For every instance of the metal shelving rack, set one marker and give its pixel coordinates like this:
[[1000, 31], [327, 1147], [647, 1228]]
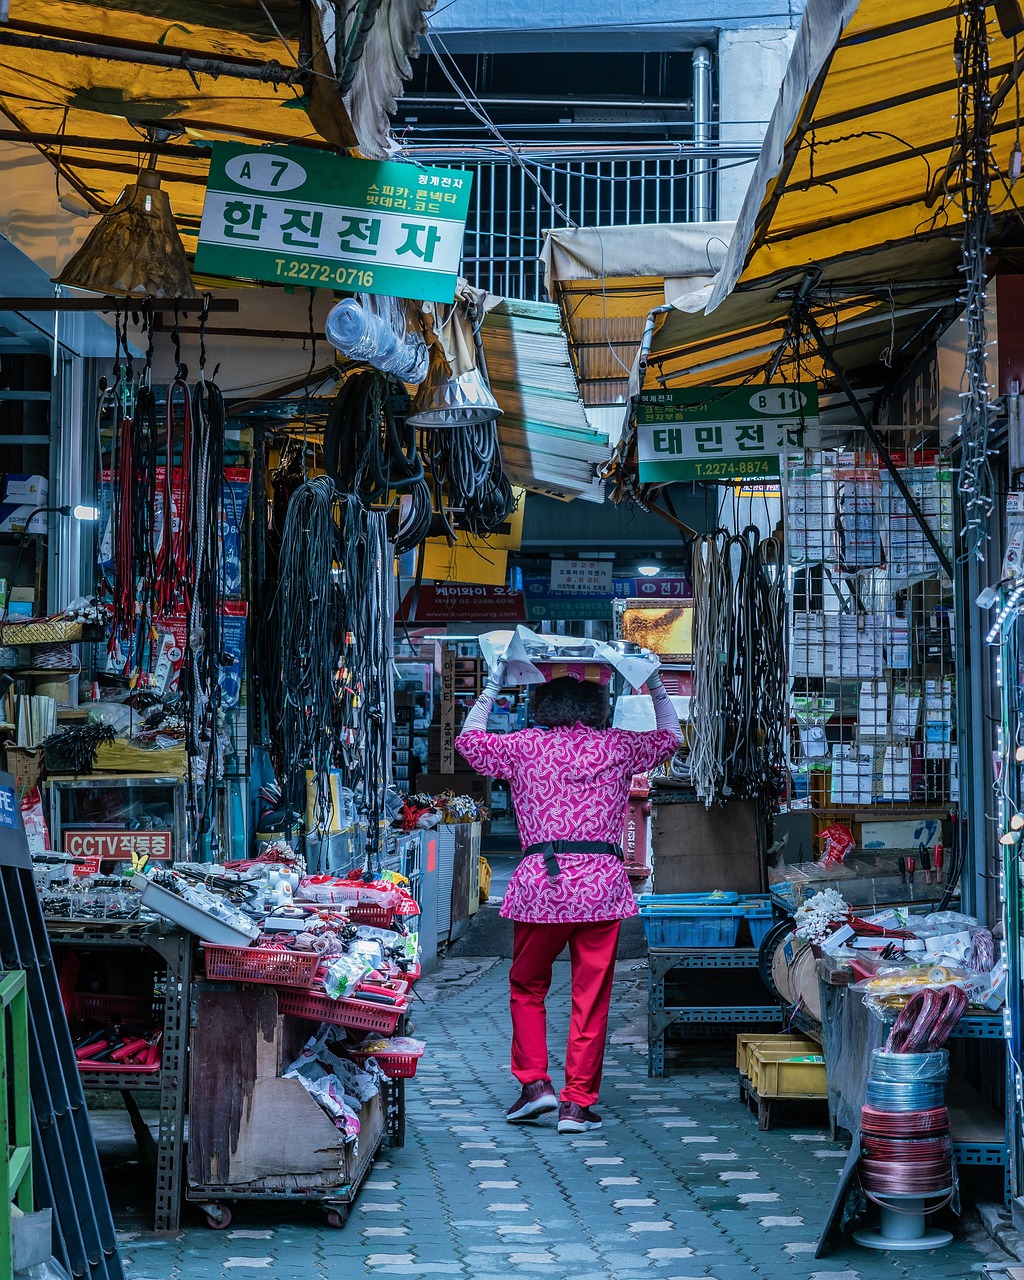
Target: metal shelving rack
[[176, 948], [664, 961], [980, 1135]]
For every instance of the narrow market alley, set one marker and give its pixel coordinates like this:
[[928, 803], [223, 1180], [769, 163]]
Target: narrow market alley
[[679, 1183]]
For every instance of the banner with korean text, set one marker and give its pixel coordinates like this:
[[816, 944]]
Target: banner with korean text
[[722, 433], [294, 216]]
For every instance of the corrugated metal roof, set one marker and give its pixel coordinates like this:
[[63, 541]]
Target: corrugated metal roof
[[548, 443]]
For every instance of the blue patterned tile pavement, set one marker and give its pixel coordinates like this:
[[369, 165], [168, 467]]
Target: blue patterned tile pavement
[[679, 1184]]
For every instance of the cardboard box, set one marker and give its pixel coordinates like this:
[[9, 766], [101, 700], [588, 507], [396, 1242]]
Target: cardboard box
[[19, 496]]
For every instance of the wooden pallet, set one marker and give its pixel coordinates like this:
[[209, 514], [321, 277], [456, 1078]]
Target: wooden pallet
[[762, 1107]]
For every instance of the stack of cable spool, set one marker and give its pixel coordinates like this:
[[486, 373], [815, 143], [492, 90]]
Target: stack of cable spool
[[906, 1159]]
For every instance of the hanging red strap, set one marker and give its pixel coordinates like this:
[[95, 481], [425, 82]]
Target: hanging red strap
[[173, 557]]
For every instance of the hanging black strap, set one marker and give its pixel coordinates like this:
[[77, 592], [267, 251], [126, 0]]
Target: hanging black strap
[[550, 849]]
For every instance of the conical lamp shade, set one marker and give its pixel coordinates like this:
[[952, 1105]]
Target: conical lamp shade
[[444, 401], [134, 250]]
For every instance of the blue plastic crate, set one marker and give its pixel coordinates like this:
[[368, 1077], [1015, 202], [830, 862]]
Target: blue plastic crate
[[759, 921], [720, 897], [693, 926]]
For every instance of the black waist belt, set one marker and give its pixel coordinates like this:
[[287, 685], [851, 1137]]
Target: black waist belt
[[552, 848]]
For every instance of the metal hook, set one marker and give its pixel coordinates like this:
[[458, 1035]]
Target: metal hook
[[180, 370], [203, 315]]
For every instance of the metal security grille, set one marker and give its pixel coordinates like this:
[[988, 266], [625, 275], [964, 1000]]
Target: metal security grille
[[509, 214]]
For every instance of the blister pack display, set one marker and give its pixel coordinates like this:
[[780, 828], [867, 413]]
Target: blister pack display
[[871, 649]]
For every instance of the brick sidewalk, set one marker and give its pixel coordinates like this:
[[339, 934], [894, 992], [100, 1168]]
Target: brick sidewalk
[[678, 1184]]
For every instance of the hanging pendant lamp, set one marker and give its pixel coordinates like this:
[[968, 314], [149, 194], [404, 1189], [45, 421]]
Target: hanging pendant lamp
[[446, 401], [135, 249]]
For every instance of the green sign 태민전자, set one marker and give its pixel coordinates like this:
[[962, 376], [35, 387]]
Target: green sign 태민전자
[[721, 433], [294, 216]]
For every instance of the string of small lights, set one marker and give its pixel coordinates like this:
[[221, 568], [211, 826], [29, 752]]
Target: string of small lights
[[974, 128]]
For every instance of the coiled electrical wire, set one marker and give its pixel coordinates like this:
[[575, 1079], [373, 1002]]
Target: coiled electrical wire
[[468, 475], [904, 1124], [917, 1095], [907, 1177], [927, 1020], [334, 605], [937, 1147], [206, 658], [738, 708], [901, 1068], [312, 620]]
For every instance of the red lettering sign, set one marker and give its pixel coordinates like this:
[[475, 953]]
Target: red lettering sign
[[441, 603], [102, 845]]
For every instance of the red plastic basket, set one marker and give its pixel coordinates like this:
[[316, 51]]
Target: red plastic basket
[[341, 1013], [386, 987], [118, 1068], [105, 1007], [269, 966], [396, 1066], [371, 913], [408, 976]]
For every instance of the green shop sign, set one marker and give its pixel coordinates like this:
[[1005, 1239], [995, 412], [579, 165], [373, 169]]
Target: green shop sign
[[294, 216], [721, 433]]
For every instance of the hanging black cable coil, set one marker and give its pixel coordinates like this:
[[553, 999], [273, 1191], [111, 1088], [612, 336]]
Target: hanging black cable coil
[[333, 606], [469, 476], [312, 619], [206, 659], [370, 451]]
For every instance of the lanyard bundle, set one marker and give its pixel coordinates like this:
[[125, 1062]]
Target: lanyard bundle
[[206, 657], [134, 501], [173, 558], [334, 606], [738, 709]]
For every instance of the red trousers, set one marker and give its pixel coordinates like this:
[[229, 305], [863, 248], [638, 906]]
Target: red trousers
[[592, 954]]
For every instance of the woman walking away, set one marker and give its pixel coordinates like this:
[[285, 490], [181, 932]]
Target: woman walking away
[[570, 781]]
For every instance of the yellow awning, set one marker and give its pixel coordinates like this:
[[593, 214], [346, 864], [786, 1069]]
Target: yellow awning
[[84, 76], [857, 184]]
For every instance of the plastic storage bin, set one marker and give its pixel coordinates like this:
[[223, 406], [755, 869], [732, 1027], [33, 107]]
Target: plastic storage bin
[[396, 1066], [341, 1013], [201, 923], [721, 898], [678, 926], [759, 921], [271, 966]]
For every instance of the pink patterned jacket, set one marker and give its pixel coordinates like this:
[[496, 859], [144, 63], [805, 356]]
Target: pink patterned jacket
[[568, 784]]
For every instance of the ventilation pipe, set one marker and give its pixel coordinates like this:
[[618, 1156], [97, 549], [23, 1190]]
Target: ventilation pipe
[[702, 134]]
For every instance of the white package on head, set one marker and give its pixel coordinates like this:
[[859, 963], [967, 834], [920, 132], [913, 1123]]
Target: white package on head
[[522, 649]]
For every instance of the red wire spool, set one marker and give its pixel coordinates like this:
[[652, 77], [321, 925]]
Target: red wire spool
[[904, 1150], [904, 1124], [924, 1178]]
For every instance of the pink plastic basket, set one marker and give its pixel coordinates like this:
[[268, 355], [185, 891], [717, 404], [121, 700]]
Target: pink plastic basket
[[269, 966], [396, 1066], [341, 1013]]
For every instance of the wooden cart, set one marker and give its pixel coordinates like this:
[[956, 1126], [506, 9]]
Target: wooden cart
[[252, 1134]]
